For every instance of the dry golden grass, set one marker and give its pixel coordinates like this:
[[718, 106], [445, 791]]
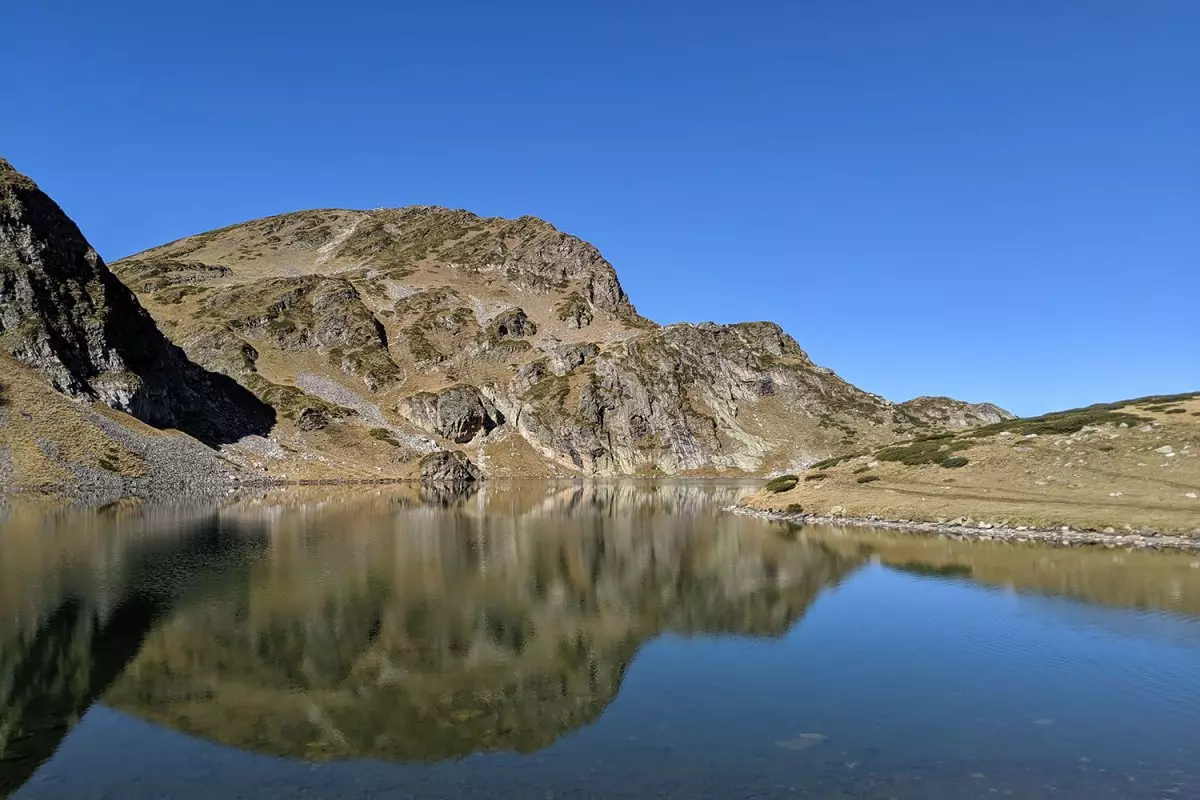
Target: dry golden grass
[[1098, 477], [41, 431]]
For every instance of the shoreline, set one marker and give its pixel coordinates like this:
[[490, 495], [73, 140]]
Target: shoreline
[[1059, 537]]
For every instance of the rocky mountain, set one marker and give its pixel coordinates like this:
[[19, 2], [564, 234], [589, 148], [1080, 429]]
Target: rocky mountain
[[70, 331], [64, 314], [431, 341]]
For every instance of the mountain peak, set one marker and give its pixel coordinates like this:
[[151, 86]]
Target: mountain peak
[[431, 244]]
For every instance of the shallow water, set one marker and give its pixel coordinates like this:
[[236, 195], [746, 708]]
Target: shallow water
[[576, 641]]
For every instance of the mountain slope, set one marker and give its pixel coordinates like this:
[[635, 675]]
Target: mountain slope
[[64, 314], [504, 340], [1129, 465]]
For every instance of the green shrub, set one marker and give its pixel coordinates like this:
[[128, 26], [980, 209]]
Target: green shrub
[[867, 478], [1075, 419], [833, 462], [1175, 411], [816, 476], [794, 508], [861, 470], [782, 483], [931, 451], [1157, 399], [1061, 422], [952, 462]]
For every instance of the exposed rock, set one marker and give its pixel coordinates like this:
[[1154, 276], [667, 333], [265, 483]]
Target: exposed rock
[[512, 324], [575, 311], [63, 313], [564, 358], [312, 419], [448, 466], [310, 313], [676, 399], [457, 413], [946, 412]]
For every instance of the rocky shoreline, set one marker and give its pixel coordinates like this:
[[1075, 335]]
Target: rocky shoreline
[[1062, 537]]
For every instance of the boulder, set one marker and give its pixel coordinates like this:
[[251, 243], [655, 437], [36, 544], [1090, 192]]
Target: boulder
[[512, 324], [457, 413], [449, 466]]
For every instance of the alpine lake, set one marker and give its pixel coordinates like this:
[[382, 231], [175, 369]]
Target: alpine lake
[[579, 640]]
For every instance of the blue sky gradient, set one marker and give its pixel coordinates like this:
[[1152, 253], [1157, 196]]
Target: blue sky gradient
[[995, 201]]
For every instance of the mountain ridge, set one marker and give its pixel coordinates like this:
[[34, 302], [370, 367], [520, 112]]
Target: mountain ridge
[[422, 342]]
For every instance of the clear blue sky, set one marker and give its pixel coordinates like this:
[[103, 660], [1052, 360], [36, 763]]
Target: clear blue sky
[[992, 200]]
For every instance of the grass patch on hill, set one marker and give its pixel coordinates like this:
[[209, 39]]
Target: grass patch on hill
[[290, 402], [1060, 422], [782, 483], [1075, 419], [384, 435], [926, 451], [833, 462]]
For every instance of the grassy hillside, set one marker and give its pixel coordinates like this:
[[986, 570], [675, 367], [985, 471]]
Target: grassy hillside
[[1133, 464]]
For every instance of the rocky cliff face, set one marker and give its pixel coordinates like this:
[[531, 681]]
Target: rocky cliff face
[[508, 341], [63, 313]]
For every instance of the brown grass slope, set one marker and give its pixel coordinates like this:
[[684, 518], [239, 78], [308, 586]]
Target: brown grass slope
[[1129, 465], [51, 444]]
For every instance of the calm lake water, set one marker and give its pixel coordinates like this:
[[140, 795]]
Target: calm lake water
[[539, 640]]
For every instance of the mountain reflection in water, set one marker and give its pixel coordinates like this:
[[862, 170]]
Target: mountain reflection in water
[[415, 625], [402, 624]]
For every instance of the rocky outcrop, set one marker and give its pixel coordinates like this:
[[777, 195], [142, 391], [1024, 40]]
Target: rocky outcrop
[[574, 311], [951, 414], [563, 358], [63, 313], [310, 313], [448, 466], [457, 413], [512, 324], [684, 398]]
